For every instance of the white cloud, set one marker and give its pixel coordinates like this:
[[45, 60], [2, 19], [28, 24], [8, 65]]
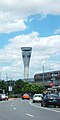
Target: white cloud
[[10, 10], [45, 50], [57, 31], [8, 25], [25, 7]]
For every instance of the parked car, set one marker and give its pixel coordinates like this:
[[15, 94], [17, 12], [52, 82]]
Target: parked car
[[0, 98], [6, 97], [3, 97], [51, 99], [37, 98], [26, 96]]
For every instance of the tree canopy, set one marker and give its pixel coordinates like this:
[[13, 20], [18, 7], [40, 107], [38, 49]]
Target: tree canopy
[[21, 87]]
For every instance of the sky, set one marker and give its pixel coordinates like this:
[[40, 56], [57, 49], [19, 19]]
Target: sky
[[29, 23]]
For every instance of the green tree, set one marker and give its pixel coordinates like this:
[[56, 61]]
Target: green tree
[[21, 87], [36, 88], [27, 87], [18, 86], [3, 85]]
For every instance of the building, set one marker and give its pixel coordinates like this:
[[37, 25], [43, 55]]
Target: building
[[53, 76]]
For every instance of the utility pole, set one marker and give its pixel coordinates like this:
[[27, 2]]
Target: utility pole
[[43, 73], [0, 75], [6, 77]]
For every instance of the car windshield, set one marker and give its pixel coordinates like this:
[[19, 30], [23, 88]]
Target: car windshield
[[37, 95], [54, 96], [51, 96]]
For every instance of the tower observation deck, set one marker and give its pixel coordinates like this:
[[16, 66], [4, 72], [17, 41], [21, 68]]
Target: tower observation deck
[[26, 54]]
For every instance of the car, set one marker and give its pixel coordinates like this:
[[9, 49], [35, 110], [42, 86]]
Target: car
[[0, 98], [26, 96], [37, 98], [6, 97], [50, 99], [3, 97]]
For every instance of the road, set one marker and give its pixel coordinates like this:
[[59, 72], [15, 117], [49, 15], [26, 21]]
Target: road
[[19, 109]]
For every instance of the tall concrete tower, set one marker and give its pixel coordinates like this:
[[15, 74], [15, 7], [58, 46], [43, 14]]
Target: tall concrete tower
[[26, 54]]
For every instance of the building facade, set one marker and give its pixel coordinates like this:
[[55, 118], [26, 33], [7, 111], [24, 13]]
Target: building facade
[[48, 76]]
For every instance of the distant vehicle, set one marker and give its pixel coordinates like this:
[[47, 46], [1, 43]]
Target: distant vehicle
[[51, 99], [26, 96], [3, 97], [37, 98], [6, 97], [0, 98]]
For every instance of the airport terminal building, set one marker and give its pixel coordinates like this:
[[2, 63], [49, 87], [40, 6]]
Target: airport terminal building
[[47, 76]]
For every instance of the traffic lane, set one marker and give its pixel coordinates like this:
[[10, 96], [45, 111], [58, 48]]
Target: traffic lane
[[37, 112], [6, 112], [37, 104], [12, 110], [21, 110], [44, 113]]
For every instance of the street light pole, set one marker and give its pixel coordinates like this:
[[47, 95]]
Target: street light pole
[[43, 73], [6, 77], [0, 75]]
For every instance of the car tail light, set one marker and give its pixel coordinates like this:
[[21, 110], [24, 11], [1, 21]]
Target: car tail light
[[48, 98]]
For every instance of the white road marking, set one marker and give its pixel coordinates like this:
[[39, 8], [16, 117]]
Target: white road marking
[[29, 115], [44, 107], [14, 108]]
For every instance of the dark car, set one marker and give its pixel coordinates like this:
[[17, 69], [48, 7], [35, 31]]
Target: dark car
[[51, 99]]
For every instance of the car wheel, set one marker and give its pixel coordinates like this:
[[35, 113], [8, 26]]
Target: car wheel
[[44, 104], [28, 98], [22, 98], [59, 106], [41, 104], [33, 101]]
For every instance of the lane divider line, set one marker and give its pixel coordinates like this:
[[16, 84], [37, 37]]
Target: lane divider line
[[29, 115], [14, 108]]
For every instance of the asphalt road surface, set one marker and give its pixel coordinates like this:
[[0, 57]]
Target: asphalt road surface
[[19, 109]]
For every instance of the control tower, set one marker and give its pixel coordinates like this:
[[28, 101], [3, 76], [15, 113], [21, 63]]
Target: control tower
[[26, 54]]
